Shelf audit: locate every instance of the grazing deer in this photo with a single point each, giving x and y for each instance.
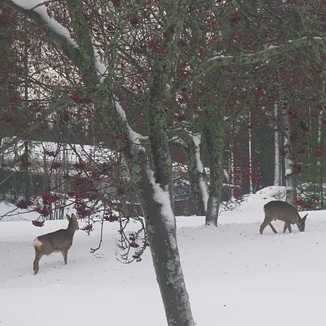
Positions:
(57, 241)
(283, 211)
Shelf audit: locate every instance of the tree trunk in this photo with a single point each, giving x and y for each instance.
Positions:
(321, 162)
(154, 189)
(277, 160)
(197, 174)
(157, 208)
(290, 161)
(153, 185)
(250, 124)
(214, 131)
(161, 228)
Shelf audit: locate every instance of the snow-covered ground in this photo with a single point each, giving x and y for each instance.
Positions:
(234, 275)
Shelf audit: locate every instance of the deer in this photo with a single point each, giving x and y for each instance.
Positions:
(57, 241)
(283, 211)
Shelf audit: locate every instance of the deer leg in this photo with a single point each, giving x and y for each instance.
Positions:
(65, 254)
(285, 227)
(272, 227)
(36, 263)
(263, 225)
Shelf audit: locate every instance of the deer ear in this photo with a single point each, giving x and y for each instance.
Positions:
(68, 217)
(304, 218)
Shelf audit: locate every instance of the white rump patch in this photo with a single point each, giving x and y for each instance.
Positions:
(37, 243)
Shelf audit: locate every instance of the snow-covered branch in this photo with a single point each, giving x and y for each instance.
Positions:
(256, 58)
(58, 34)
(134, 137)
(84, 41)
(79, 51)
(265, 55)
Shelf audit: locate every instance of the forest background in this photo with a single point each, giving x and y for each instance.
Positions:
(272, 109)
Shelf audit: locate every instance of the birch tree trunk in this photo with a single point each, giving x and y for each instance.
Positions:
(251, 190)
(290, 160)
(320, 135)
(277, 159)
(197, 174)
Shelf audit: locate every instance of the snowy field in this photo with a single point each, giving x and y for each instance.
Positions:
(234, 275)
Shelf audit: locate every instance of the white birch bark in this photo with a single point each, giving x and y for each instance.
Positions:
(277, 161)
(289, 161)
(250, 153)
(196, 138)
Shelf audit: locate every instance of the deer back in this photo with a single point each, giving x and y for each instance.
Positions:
(58, 240)
(281, 210)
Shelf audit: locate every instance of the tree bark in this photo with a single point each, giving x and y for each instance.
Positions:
(161, 230)
(197, 174)
(277, 143)
(321, 130)
(290, 160)
(152, 187)
(214, 132)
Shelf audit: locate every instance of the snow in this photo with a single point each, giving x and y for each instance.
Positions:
(133, 135)
(162, 196)
(101, 68)
(234, 275)
(38, 6)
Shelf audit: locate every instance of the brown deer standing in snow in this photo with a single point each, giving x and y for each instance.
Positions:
(283, 211)
(57, 241)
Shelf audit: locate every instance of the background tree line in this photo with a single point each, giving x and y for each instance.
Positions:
(35, 73)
